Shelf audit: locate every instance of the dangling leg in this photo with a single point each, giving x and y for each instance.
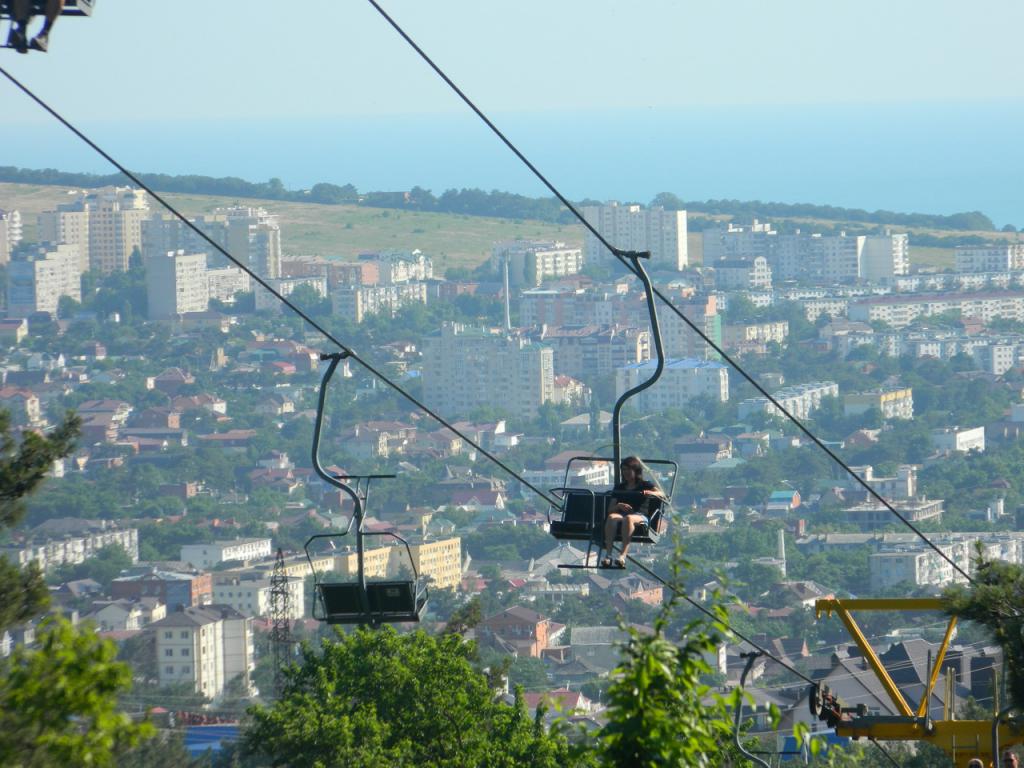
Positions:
(41, 42)
(21, 12)
(629, 522)
(610, 524)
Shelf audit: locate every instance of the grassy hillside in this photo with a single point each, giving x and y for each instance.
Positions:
(341, 230)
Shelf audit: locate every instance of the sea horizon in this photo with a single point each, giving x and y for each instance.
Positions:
(926, 158)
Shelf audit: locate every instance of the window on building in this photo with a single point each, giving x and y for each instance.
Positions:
(185, 651)
(169, 670)
(168, 652)
(186, 670)
(184, 634)
(168, 635)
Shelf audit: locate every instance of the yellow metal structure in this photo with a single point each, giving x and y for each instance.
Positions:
(961, 739)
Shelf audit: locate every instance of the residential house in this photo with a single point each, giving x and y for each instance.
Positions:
(519, 631)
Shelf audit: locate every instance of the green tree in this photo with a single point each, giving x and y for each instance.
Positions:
(375, 697)
(657, 695)
(58, 703)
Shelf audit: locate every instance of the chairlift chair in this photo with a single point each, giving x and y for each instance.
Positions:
(358, 601)
(38, 8)
(581, 512)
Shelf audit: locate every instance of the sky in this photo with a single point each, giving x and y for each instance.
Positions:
(226, 87)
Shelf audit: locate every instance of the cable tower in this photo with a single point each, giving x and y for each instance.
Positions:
(281, 631)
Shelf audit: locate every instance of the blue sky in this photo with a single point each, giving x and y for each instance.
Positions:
(905, 104)
(203, 59)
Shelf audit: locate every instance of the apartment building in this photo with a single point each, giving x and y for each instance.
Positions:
(915, 564)
(680, 382)
(899, 310)
(440, 561)
(394, 267)
(205, 647)
(70, 541)
(634, 228)
(589, 352)
(70, 227)
(176, 283)
(253, 596)
(871, 515)
(679, 339)
(254, 238)
(957, 440)
(892, 403)
(467, 367)
(172, 588)
(1008, 257)
(37, 279)
(357, 302)
(10, 234)
(742, 274)
(531, 262)
(114, 225)
(209, 555)
(223, 283)
(731, 241)
(266, 301)
(800, 400)
(744, 337)
(885, 258)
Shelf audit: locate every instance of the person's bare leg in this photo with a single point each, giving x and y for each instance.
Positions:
(628, 524)
(610, 524)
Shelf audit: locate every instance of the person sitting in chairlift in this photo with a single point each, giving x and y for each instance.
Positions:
(626, 514)
(21, 14)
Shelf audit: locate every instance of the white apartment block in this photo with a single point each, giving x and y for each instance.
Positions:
(10, 233)
(252, 597)
(841, 258)
(957, 440)
(738, 242)
(532, 262)
(633, 228)
(401, 266)
(990, 258)
(594, 474)
(438, 560)
(66, 226)
(204, 556)
(742, 274)
(225, 282)
(741, 335)
(176, 283)
(36, 281)
(467, 367)
(901, 310)
(680, 382)
(912, 563)
(204, 647)
(70, 542)
(892, 403)
(356, 302)
(589, 352)
(885, 257)
(800, 400)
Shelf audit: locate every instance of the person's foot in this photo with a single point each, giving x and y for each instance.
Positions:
(17, 40)
(40, 42)
(620, 562)
(606, 562)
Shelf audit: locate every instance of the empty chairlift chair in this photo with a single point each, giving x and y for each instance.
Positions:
(353, 599)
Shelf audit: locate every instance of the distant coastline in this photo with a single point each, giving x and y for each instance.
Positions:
(916, 158)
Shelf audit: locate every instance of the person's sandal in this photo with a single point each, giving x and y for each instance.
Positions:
(17, 40)
(40, 43)
(620, 562)
(606, 562)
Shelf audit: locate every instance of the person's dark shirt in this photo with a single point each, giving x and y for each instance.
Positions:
(643, 485)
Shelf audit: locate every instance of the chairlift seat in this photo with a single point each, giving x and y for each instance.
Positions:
(384, 602)
(583, 516)
(71, 8)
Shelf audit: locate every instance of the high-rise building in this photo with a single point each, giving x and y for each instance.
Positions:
(469, 367)
(885, 257)
(10, 233)
(66, 226)
(990, 258)
(254, 238)
(742, 274)
(680, 340)
(531, 262)
(37, 279)
(115, 225)
(633, 228)
(355, 302)
(680, 382)
(175, 284)
(841, 258)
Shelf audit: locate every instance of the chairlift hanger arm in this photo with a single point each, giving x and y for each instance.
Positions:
(335, 359)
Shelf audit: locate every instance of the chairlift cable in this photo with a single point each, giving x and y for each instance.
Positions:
(621, 256)
(284, 300)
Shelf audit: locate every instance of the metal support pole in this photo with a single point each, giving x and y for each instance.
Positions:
(751, 658)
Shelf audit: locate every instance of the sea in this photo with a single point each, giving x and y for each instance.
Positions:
(928, 158)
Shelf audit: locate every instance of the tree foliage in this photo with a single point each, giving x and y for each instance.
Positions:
(996, 601)
(375, 698)
(58, 703)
